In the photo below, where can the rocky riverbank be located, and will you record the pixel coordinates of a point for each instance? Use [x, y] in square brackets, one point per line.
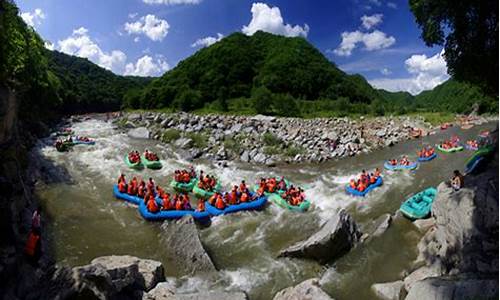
[458, 254]
[269, 140]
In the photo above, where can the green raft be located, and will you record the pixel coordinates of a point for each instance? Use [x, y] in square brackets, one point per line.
[183, 187]
[483, 151]
[278, 200]
[199, 192]
[136, 165]
[455, 149]
[419, 205]
[151, 164]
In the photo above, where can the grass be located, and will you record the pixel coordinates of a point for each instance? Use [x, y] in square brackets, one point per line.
[271, 150]
[435, 118]
[292, 150]
[233, 145]
[200, 140]
[170, 135]
[270, 139]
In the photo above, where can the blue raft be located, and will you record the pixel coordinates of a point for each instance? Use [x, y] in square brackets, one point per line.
[126, 197]
[78, 142]
[354, 192]
[424, 159]
[398, 167]
[171, 214]
[256, 204]
[472, 165]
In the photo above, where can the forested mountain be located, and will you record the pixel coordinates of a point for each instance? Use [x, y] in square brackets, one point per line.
[84, 86]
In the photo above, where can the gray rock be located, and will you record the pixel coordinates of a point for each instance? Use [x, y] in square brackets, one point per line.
[444, 288]
[306, 290]
[163, 290]
[389, 290]
[420, 274]
[245, 156]
[383, 223]
[424, 224]
[182, 239]
[260, 158]
[221, 153]
[335, 238]
[184, 143]
[139, 133]
[263, 118]
[212, 295]
[147, 272]
[134, 117]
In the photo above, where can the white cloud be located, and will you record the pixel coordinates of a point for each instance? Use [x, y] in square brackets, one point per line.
[207, 41]
[146, 66]
[132, 15]
[171, 2]
[385, 71]
[49, 45]
[154, 28]
[371, 21]
[269, 19]
[137, 39]
[80, 44]
[373, 41]
[427, 73]
[376, 2]
[33, 18]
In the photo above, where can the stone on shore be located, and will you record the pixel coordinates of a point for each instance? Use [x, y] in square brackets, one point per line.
[389, 290]
[184, 143]
[183, 240]
[139, 133]
[383, 223]
[149, 272]
[334, 239]
[306, 290]
[453, 288]
[424, 224]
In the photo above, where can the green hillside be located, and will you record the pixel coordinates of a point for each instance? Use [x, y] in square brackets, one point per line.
[84, 86]
[239, 65]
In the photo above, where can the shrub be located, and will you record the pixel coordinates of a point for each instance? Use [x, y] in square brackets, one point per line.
[292, 151]
[200, 140]
[270, 139]
[170, 135]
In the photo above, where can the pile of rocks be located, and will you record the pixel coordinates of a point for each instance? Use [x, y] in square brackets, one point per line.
[291, 139]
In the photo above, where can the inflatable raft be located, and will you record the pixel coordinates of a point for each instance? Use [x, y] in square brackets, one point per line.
[450, 150]
[398, 167]
[80, 142]
[355, 192]
[256, 204]
[278, 200]
[429, 158]
[472, 148]
[419, 205]
[471, 167]
[201, 193]
[183, 187]
[126, 197]
[483, 151]
[203, 216]
[136, 165]
[151, 164]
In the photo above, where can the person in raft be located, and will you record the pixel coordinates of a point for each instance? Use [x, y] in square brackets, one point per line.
[134, 156]
[473, 144]
[217, 200]
[364, 180]
[183, 176]
[427, 151]
[457, 181]
[151, 156]
[404, 161]
[207, 182]
[82, 138]
[294, 196]
[270, 185]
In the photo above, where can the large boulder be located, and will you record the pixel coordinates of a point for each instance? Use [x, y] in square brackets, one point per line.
[184, 143]
[145, 273]
[335, 238]
[306, 290]
[139, 133]
[389, 290]
[449, 288]
[182, 240]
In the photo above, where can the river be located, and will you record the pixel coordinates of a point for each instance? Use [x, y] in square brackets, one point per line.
[84, 220]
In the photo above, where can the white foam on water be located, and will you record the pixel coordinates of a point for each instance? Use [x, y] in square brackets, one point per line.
[245, 279]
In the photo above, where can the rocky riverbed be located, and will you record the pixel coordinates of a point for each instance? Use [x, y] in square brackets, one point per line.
[269, 140]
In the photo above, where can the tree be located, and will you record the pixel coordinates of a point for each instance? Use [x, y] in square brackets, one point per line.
[468, 29]
[262, 99]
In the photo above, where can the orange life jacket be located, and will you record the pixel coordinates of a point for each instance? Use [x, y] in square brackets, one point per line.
[121, 187]
[372, 179]
[31, 244]
[243, 187]
[178, 205]
[152, 206]
[244, 197]
[201, 206]
[352, 184]
[219, 204]
[234, 197]
[130, 189]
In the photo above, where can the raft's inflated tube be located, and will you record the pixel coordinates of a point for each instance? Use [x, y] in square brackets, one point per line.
[256, 204]
[397, 167]
[136, 165]
[78, 142]
[450, 150]
[171, 214]
[184, 187]
[199, 192]
[419, 205]
[355, 192]
[424, 159]
[278, 200]
[473, 165]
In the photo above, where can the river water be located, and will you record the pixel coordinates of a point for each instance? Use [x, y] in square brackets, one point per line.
[84, 220]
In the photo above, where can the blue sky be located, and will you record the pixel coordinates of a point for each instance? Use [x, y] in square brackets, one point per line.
[376, 38]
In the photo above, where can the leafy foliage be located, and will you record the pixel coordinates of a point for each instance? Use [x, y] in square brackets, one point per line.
[469, 31]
